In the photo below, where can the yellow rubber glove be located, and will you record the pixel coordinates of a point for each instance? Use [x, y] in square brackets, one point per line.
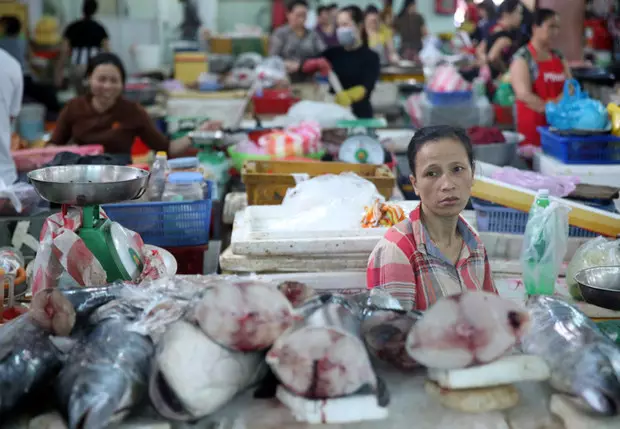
[356, 93]
[343, 99]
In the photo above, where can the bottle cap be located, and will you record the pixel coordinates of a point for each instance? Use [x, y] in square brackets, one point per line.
[544, 193]
[161, 153]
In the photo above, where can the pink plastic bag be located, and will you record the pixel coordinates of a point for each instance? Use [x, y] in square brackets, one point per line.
[558, 186]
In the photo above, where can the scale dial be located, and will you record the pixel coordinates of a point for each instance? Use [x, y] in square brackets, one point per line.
[361, 149]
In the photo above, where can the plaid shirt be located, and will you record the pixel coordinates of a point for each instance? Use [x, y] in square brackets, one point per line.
[408, 265]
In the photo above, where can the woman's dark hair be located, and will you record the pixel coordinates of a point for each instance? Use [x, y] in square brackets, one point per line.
[106, 58]
[371, 10]
[293, 4]
[89, 8]
[489, 7]
[542, 15]
[321, 9]
[508, 6]
[406, 4]
[432, 134]
[12, 25]
[357, 16]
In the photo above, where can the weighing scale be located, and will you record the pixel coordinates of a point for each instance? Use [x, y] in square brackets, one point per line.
[362, 149]
[88, 187]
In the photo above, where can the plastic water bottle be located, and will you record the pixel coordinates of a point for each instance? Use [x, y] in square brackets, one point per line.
[159, 173]
[538, 272]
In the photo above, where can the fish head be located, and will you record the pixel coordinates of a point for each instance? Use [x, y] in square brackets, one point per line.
[98, 398]
[597, 379]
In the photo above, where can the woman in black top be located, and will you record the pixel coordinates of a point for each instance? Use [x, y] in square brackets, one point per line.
[356, 65]
[499, 46]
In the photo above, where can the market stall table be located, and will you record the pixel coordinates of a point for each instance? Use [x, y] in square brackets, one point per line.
[402, 74]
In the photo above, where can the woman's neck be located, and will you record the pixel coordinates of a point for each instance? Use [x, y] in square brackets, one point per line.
[101, 106]
[441, 229]
[503, 24]
[541, 48]
[327, 28]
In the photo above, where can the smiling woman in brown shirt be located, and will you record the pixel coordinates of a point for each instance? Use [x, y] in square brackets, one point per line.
[105, 118]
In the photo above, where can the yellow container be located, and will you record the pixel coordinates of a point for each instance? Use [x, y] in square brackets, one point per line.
[189, 65]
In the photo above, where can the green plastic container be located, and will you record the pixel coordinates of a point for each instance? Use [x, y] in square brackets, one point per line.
[238, 158]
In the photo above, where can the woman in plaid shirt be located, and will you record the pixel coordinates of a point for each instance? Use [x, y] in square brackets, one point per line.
[434, 252]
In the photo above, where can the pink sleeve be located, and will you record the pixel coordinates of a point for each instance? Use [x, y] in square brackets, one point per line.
[389, 268]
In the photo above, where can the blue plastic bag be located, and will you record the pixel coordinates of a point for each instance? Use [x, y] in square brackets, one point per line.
[576, 111]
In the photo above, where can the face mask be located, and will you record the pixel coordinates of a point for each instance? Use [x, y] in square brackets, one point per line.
[346, 36]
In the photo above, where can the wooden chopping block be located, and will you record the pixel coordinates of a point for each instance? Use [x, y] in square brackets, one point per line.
[507, 370]
[481, 400]
[565, 408]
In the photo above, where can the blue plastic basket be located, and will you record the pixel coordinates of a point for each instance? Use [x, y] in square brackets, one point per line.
[167, 224]
[595, 149]
[449, 98]
[491, 217]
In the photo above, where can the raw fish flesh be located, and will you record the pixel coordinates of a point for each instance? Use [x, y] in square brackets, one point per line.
[466, 329]
[296, 292]
[105, 376]
[53, 312]
[193, 376]
[584, 362]
[323, 356]
[244, 316]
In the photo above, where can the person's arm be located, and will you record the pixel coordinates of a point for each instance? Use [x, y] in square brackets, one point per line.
[495, 54]
[389, 46]
[63, 130]
[154, 139]
[319, 43]
[65, 51]
[16, 99]
[481, 53]
[389, 268]
[105, 39]
[522, 85]
[276, 43]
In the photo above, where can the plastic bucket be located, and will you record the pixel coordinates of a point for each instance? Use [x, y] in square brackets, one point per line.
[31, 121]
[147, 57]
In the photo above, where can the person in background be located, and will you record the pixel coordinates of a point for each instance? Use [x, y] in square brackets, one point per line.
[411, 27]
[333, 12]
[11, 90]
[487, 12]
[380, 36]
[537, 75]
[15, 44]
[497, 50]
[356, 65]
[103, 116]
[525, 33]
[472, 13]
[326, 27]
[293, 42]
[82, 40]
[434, 252]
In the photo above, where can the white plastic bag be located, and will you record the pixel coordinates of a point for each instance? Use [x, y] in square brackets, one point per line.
[598, 252]
[18, 198]
[544, 247]
[326, 114]
[271, 70]
[328, 203]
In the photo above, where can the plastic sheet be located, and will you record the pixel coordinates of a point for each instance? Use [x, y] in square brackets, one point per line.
[558, 186]
[598, 252]
[18, 198]
[326, 114]
[328, 203]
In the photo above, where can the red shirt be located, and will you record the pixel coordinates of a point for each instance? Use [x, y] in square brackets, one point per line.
[413, 270]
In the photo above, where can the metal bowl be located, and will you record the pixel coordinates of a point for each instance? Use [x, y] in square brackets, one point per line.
[81, 185]
[600, 286]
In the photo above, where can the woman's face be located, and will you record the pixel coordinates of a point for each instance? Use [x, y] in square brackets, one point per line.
[106, 82]
[347, 31]
[515, 18]
[548, 31]
[372, 21]
[443, 177]
[297, 17]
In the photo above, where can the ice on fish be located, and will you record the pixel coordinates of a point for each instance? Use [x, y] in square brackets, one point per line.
[584, 362]
[244, 316]
[193, 376]
[323, 356]
[105, 376]
[466, 329]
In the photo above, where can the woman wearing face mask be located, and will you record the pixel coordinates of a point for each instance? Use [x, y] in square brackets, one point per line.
[537, 74]
[356, 65]
[434, 252]
[104, 117]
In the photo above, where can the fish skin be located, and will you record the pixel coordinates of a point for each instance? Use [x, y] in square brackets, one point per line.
[105, 376]
[584, 362]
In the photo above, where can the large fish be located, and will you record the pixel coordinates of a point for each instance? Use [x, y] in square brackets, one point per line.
[584, 362]
[106, 374]
[466, 329]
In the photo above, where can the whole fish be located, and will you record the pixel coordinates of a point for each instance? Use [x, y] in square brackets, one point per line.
[32, 348]
[106, 374]
[584, 362]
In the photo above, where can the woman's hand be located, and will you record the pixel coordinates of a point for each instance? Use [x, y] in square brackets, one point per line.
[292, 66]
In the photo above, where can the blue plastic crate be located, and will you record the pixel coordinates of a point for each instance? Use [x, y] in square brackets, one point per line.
[491, 217]
[595, 149]
[449, 98]
[167, 224]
